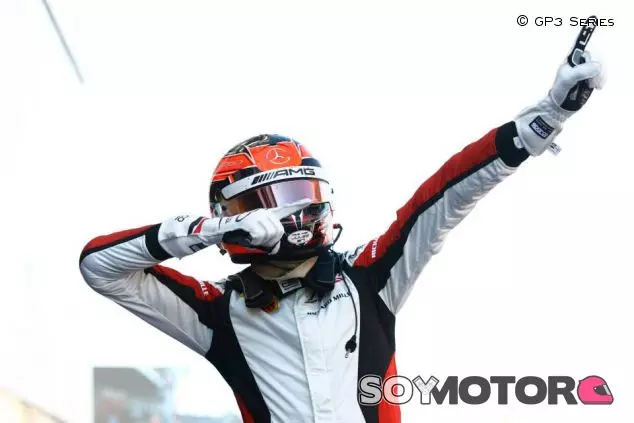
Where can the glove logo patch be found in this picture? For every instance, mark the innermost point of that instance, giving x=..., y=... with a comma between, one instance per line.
x=541, y=128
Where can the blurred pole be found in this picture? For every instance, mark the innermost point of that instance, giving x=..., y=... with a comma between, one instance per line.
x=62, y=40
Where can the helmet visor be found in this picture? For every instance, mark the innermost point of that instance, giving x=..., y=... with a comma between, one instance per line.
x=602, y=390
x=277, y=194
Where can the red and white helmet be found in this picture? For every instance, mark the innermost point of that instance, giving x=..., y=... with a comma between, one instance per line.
x=269, y=171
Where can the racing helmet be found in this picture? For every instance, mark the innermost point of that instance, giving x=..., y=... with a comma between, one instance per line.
x=594, y=390
x=268, y=171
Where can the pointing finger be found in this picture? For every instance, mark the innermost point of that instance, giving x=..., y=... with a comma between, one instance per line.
x=287, y=210
x=575, y=57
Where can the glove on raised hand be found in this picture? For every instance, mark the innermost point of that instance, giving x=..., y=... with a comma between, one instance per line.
x=261, y=228
x=537, y=126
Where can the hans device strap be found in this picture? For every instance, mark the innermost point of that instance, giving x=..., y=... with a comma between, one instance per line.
x=264, y=294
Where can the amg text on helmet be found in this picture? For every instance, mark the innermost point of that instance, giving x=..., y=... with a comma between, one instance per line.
x=269, y=176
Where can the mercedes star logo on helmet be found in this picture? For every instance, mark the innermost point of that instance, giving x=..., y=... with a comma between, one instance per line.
x=277, y=156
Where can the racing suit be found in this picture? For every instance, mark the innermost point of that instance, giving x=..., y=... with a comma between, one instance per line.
x=290, y=365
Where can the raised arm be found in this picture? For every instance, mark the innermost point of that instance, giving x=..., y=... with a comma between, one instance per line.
x=395, y=259
x=124, y=267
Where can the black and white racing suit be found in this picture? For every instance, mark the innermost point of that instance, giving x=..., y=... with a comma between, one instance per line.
x=290, y=365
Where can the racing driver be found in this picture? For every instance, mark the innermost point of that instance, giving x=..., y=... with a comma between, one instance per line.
x=294, y=331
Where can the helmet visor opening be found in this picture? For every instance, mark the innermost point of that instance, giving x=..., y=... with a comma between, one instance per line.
x=277, y=194
x=602, y=390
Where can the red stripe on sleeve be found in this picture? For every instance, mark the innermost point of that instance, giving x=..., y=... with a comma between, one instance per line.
x=459, y=164
x=204, y=290
x=102, y=241
x=199, y=227
x=246, y=415
x=389, y=413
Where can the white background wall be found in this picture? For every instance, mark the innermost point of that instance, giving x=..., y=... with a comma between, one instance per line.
x=537, y=281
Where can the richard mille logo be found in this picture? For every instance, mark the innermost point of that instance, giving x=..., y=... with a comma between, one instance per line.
x=327, y=302
x=277, y=156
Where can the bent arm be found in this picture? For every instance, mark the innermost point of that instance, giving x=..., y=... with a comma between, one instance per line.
x=396, y=258
x=124, y=268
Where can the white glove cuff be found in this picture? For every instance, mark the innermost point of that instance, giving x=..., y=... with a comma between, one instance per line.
x=537, y=126
x=184, y=235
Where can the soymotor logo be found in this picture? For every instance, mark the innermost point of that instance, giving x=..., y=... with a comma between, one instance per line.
x=475, y=390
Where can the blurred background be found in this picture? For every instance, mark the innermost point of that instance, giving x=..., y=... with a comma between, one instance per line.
x=16, y=409
x=138, y=395
x=121, y=395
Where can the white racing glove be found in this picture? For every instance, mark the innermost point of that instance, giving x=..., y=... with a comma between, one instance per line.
x=537, y=126
x=261, y=228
